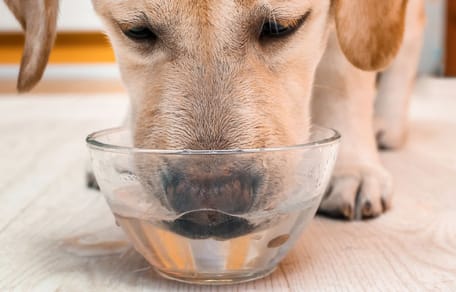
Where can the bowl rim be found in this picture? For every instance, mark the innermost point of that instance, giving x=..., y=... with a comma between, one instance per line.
x=93, y=143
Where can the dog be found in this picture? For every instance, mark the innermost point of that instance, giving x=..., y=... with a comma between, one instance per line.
x=228, y=74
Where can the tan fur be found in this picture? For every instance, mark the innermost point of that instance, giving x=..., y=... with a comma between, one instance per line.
x=397, y=82
x=199, y=88
x=208, y=82
x=38, y=18
x=370, y=31
x=344, y=98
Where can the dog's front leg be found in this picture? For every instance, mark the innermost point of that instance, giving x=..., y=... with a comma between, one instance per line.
x=396, y=83
x=343, y=99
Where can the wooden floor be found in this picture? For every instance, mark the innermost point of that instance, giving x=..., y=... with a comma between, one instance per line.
x=43, y=201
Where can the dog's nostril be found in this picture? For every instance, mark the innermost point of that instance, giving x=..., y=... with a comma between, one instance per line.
x=234, y=193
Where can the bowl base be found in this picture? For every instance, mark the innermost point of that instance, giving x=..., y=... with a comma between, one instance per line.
x=216, y=279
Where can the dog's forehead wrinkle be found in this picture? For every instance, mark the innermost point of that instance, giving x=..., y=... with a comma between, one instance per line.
x=205, y=10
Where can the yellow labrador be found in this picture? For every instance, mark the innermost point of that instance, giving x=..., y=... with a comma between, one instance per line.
x=219, y=74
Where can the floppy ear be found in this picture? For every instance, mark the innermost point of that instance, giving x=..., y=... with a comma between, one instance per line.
x=370, y=32
x=39, y=19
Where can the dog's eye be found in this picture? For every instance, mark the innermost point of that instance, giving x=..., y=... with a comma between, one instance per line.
x=274, y=29
x=139, y=33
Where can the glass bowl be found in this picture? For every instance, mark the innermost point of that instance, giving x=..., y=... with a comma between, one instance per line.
x=213, y=216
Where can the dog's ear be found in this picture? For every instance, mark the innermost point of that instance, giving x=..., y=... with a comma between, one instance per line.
x=370, y=32
x=39, y=20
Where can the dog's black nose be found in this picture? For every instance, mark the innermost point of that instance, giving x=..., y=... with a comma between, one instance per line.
x=205, y=224
x=232, y=193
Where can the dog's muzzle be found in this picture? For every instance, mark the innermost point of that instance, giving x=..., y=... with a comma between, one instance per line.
x=207, y=223
x=210, y=204
x=233, y=194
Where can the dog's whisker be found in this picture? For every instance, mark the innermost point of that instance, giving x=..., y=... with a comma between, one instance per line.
x=140, y=270
x=126, y=252
x=275, y=23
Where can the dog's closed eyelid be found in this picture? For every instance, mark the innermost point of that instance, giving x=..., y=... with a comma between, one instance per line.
x=139, y=31
x=284, y=15
x=133, y=20
x=294, y=22
x=278, y=28
x=298, y=21
x=125, y=24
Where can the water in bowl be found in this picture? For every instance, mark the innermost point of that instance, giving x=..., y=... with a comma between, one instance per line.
x=236, y=249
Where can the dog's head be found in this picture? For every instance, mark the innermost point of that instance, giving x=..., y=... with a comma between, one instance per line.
x=221, y=74
x=200, y=71
x=236, y=74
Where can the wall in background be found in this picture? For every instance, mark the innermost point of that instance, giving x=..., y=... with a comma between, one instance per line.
x=434, y=43
x=75, y=15
x=450, y=50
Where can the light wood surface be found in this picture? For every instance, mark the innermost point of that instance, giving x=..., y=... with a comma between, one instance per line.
x=43, y=201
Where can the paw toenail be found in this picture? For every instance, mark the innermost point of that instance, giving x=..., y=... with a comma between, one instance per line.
x=367, y=208
x=347, y=211
x=385, y=205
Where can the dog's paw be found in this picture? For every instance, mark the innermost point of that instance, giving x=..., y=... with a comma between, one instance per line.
x=391, y=132
x=358, y=192
x=91, y=181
